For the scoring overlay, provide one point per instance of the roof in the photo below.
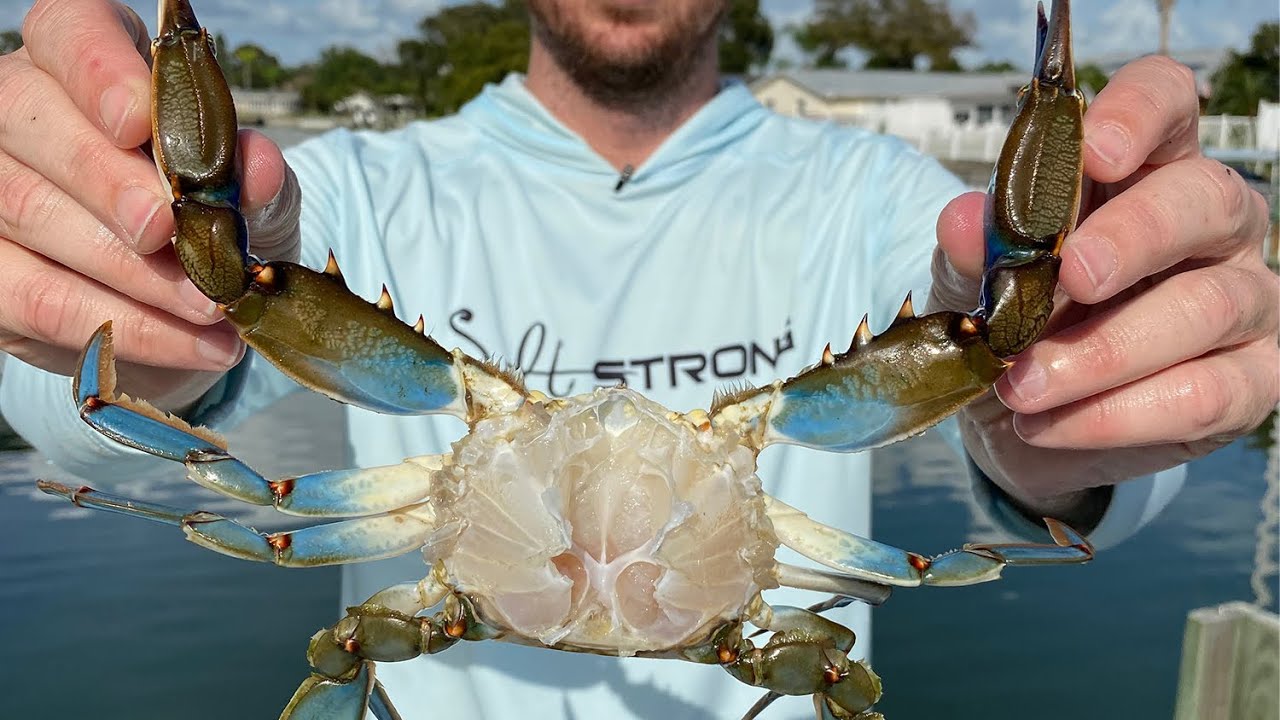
(834, 84)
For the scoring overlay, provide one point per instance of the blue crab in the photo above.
(602, 523)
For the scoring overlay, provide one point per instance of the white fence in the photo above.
(1225, 134)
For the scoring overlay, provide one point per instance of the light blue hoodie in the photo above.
(746, 243)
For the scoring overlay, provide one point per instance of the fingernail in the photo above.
(197, 300)
(1097, 257)
(219, 347)
(1028, 380)
(116, 105)
(134, 210)
(1110, 143)
(1029, 426)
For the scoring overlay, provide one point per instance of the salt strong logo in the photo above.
(669, 370)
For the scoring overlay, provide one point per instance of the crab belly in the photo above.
(604, 523)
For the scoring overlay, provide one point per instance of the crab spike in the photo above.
(384, 301)
(861, 336)
(421, 326)
(331, 269)
(906, 312)
(968, 327)
(827, 358)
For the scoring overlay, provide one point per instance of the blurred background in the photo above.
(113, 619)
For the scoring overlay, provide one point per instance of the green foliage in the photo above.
(893, 33)
(10, 40)
(1092, 77)
(252, 67)
(1249, 77)
(463, 47)
(746, 38)
(340, 72)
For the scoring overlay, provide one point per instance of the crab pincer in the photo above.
(921, 370)
(305, 322)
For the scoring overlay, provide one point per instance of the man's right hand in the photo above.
(85, 221)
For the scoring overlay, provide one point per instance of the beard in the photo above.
(640, 73)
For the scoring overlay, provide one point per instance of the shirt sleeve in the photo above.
(39, 404)
(902, 261)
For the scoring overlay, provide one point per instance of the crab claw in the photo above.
(1034, 196)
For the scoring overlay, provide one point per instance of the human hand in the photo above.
(85, 222)
(1163, 343)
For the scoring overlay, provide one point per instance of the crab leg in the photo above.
(326, 494)
(806, 655)
(920, 370)
(350, 541)
(879, 563)
(385, 628)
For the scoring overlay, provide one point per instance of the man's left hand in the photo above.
(1163, 343)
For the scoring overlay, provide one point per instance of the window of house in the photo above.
(962, 117)
(985, 113)
(800, 106)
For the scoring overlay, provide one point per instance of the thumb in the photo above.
(270, 199)
(957, 263)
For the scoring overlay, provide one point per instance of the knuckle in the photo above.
(1228, 197)
(89, 157)
(1207, 394)
(1178, 74)
(26, 200)
(48, 308)
(1215, 307)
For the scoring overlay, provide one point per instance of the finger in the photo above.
(272, 198)
(957, 263)
(37, 215)
(52, 305)
(95, 49)
(960, 233)
(1184, 317)
(41, 128)
(166, 388)
(1195, 208)
(1215, 397)
(1147, 113)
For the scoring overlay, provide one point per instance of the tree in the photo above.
(476, 43)
(746, 38)
(340, 72)
(250, 66)
(10, 41)
(893, 33)
(1246, 78)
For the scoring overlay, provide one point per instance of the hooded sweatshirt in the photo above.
(740, 248)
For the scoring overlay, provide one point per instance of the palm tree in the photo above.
(1166, 16)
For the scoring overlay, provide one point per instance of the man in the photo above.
(620, 212)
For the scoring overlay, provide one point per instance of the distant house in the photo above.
(912, 105)
(260, 106)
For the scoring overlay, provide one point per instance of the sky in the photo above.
(296, 30)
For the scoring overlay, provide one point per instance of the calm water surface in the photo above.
(112, 619)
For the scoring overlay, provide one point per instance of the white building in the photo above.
(912, 105)
(259, 106)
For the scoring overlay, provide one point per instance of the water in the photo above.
(113, 619)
